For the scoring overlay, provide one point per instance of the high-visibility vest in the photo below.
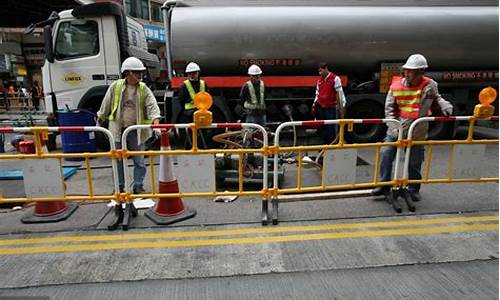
(189, 86)
(254, 103)
(116, 101)
(408, 98)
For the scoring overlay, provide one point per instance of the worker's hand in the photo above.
(313, 110)
(157, 133)
(448, 111)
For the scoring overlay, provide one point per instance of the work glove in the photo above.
(448, 111)
(157, 133)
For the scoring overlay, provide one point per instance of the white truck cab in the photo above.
(84, 50)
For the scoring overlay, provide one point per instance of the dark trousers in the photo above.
(328, 131)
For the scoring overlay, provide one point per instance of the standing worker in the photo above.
(36, 94)
(410, 97)
(252, 95)
(187, 91)
(129, 102)
(329, 100)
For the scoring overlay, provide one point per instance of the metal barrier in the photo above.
(340, 145)
(264, 150)
(39, 135)
(468, 141)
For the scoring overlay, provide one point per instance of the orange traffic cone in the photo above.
(170, 209)
(47, 212)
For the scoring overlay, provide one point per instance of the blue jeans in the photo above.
(139, 166)
(257, 118)
(416, 159)
(328, 131)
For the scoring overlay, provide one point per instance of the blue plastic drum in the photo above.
(77, 142)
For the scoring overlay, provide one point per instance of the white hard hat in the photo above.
(132, 64)
(416, 61)
(192, 67)
(254, 70)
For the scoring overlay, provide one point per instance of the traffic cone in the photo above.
(48, 212)
(168, 210)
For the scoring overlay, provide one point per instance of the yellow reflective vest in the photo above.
(116, 101)
(189, 87)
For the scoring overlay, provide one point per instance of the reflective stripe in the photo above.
(254, 102)
(413, 101)
(116, 101)
(407, 109)
(407, 93)
(192, 93)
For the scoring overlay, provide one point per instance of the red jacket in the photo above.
(326, 95)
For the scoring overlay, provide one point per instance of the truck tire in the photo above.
(366, 109)
(441, 130)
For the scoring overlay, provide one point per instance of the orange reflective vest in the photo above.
(408, 98)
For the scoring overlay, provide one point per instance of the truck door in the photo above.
(79, 60)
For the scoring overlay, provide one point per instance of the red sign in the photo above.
(283, 62)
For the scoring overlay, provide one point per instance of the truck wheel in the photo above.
(366, 133)
(441, 130)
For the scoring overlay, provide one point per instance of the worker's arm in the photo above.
(151, 105)
(438, 104)
(341, 100)
(105, 109)
(182, 95)
(244, 94)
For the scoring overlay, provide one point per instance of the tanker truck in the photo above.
(365, 42)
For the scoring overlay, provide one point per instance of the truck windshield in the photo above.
(77, 39)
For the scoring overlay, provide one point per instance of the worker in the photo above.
(190, 87)
(128, 102)
(252, 96)
(410, 97)
(329, 101)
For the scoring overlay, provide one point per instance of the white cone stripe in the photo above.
(166, 167)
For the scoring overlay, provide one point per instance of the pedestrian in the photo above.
(409, 98)
(252, 96)
(129, 102)
(329, 101)
(190, 87)
(36, 94)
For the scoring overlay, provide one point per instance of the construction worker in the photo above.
(191, 86)
(252, 96)
(329, 101)
(129, 102)
(410, 97)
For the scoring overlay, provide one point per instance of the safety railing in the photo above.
(469, 170)
(195, 150)
(327, 184)
(40, 135)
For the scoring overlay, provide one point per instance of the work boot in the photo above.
(119, 217)
(380, 191)
(415, 196)
(139, 190)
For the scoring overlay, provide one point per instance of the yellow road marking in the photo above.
(252, 240)
(259, 230)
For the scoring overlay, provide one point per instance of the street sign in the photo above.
(43, 178)
(466, 160)
(340, 166)
(195, 173)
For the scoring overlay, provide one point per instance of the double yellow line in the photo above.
(260, 235)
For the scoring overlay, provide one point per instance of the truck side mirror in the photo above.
(49, 50)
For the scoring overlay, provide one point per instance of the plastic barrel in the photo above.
(77, 142)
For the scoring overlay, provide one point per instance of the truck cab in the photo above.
(85, 48)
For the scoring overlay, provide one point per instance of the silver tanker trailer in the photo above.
(365, 41)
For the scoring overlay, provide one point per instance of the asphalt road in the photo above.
(347, 248)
